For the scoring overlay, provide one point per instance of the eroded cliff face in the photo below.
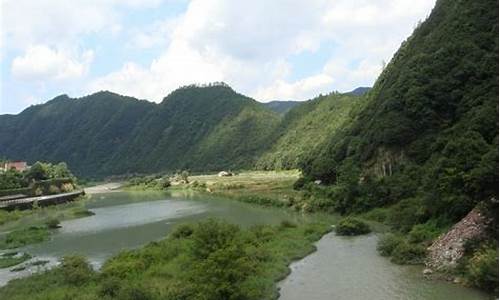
(446, 250)
(385, 162)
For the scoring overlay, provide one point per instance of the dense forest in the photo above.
(422, 149)
(199, 128)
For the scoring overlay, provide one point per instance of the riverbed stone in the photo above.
(427, 271)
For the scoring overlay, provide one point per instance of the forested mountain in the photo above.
(281, 107)
(197, 128)
(305, 127)
(84, 132)
(360, 91)
(427, 134)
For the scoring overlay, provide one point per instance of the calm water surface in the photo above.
(342, 268)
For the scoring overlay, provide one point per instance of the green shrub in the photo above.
(377, 214)
(110, 286)
(299, 184)
(134, 292)
(183, 231)
(53, 223)
(423, 233)
(76, 270)
(352, 226)
(287, 224)
(482, 268)
(387, 243)
(164, 183)
(407, 253)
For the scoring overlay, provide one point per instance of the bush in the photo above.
(482, 268)
(53, 223)
(183, 231)
(352, 226)
(377, 214)
(54, 190)
(407, 253)
(134, 292)
(76, 270)
(388, 243)
(110, 286)
(164, 183)
(299, 184)
(423, 233)
(287, 224)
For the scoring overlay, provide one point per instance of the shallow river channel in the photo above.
(342, 268)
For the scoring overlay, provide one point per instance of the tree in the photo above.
(184, 176)
(37, 172)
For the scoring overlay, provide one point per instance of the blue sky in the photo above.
(283, 49)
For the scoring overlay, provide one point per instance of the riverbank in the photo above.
(104, 188)
(209, 260)
(276, 189)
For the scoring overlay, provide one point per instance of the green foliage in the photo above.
(408, 253)
(388, 242)
(12, 258)
(216, 260)
(40, 178)
(11, 179)
(183, 231)
(304, 128)
(22, 237)
(53, 223)
(76, 270)
(400, 249)
(409, 248)
(352, 226)
(196, 128)
(184, 176)
(482, 268)
(424, 141)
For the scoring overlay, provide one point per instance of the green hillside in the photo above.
(423, 149)
(281, 107)
(82, 132)
(305, 127)
(199, 128)
(432, 116)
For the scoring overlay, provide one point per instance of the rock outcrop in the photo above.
(447, 249)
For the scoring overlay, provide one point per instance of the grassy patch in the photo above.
(206, 260)
(19, 238)
(12, 259)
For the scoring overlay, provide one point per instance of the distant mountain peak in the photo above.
(360, 91)
(281, 106)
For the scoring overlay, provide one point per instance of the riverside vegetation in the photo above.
(417, 152)
(207, 260)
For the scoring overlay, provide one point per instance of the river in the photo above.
(342, 268)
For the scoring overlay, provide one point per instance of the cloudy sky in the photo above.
(280, 49)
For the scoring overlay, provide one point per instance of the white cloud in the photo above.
(301, 89)
(248, 44)
(157, 34)
(43, 63)
(56, 22)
